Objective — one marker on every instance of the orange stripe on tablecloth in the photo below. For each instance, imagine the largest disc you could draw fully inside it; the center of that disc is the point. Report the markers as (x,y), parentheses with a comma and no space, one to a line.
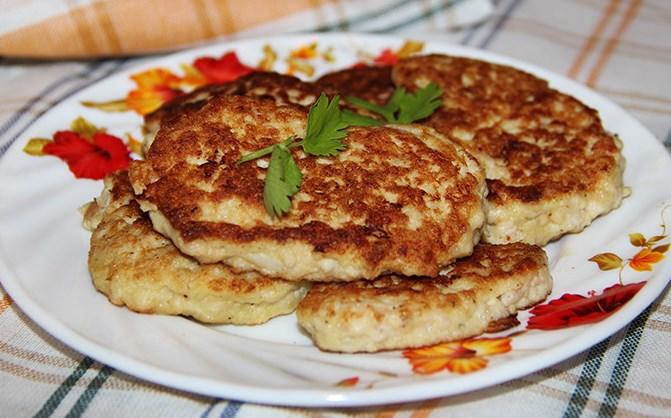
(124,382)
(36,356)
(245,14)
(588,46)
(425,410)
(629,16)
(203,18)
(35,375)
(563,375)
(388,412)
(659,325)
(5,303)
(226,20)
(83,27)
(532,384)
(29,373)
(664,309)
(107,27)
(141,26)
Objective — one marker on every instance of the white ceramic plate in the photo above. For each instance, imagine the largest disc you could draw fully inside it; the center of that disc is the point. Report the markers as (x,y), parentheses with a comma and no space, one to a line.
(43,266)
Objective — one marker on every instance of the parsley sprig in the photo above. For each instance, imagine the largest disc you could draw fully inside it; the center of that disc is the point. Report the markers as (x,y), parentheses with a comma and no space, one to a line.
(282,180)
(404,107)
(326,128)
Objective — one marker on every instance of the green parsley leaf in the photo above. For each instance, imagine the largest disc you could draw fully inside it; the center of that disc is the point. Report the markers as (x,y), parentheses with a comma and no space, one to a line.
(387,111)
(326,128)
(404,107)
(355,119)
(264,151)
(256,154)
(422,104)
(283,180)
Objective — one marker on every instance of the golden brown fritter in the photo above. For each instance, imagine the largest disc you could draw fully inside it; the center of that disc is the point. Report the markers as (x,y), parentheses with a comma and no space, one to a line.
(135,266)
(479,293)
(551,167)
(283,89)
(398,199)
(371,83)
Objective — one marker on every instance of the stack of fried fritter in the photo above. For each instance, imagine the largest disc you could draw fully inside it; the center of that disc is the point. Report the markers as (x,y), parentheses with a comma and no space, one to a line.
(383,237)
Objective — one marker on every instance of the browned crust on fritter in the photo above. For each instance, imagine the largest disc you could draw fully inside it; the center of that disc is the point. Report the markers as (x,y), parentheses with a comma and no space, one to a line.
(543,162)
(222,280)
(381,311)
(280,88)
(372,226)
(117,192)
(488,263)
(491,262)
(190,101)
(371,83)
(539,134)
(536,144)
(503,324)
(135,266)
(283,89)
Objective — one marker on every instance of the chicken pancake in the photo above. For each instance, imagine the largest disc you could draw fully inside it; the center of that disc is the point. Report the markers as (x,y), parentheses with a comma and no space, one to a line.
(394,312)
(551,167)
(283,89)
(398,199)
(137,267)
(371,83)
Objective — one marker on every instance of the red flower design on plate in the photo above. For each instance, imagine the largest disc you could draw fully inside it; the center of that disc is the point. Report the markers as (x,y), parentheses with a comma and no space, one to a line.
(92,159)
(156,86)
(221,70)
(386,57)
(571,309)
(89,151)
(349,382)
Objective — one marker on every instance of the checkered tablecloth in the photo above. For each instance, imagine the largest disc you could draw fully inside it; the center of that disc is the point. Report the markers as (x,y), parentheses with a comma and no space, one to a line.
(619,48)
